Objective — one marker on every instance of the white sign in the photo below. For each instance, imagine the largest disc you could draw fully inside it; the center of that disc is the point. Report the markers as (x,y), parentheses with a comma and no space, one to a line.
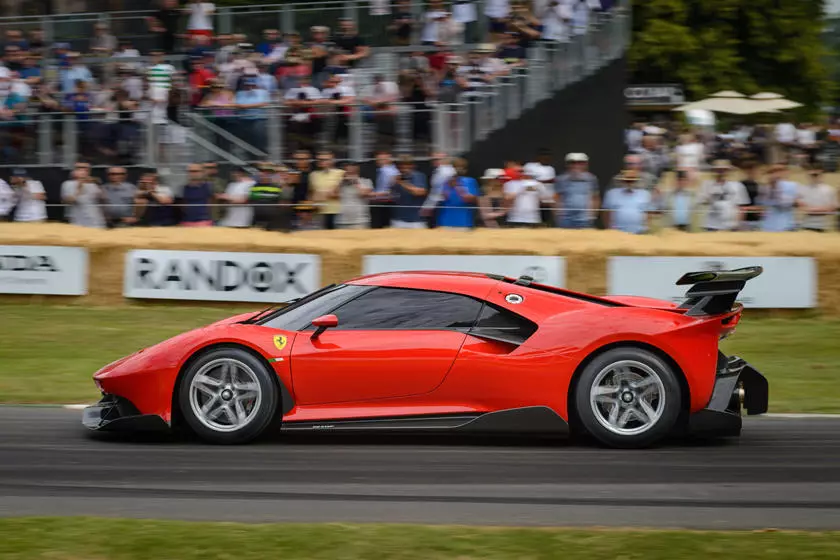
(211,276)
(30,269)
(787,282)
(545,270)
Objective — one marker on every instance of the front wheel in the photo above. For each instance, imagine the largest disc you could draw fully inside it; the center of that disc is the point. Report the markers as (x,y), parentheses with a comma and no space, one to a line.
(628,397)
(228,396)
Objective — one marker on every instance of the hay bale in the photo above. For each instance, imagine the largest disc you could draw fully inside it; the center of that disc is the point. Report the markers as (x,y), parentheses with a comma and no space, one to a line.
(341,251)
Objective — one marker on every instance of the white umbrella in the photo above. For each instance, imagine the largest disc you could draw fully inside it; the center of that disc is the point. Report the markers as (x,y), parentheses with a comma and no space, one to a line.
(775,101)
(732,105)
(727,93)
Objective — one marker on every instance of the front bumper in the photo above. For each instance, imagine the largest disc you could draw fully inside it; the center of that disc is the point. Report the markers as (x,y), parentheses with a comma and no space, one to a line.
(738,386)
(117,413)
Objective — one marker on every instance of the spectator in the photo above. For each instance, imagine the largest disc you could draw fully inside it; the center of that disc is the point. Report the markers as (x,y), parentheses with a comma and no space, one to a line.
(238,213)
(354,193)
(36,42)
(542,170)
(556,17)
(119,198)
(525,196)
(442,172)
(320,48)
(381,199)
(126,50)
(690,155)
(633,162)
(301,197)
(252,102)
(752,210)
(83,197)
(492,202)
(451,82)
(200,18)
(102,43)
(681,205)
(525,24)
(303,101)
(724,199)
(379,99)
(450,31)
(325,186)
(577,193)
(627,207)
(271,39)
(580,16)
(217,185)
(29,197)
(352,46)
(270,196)
(265,80)
(160,75)
(458,199)
(402,25)
(196,198)
(15,38)
(408,191)
(153,203)
(497,11)
(200,79)
(785,134)
(30,72)
(74,73)
(164,25)
(818,202)
(779,199)
(510,51)
(434,16)
(7,201)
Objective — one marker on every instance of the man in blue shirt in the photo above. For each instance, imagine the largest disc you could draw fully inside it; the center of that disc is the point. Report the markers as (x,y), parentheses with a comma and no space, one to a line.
(408,192)
(74,73)
(458,195)
(381,200)
(577,193)
(196,198)
(682,203)
(251,102)
(628,205)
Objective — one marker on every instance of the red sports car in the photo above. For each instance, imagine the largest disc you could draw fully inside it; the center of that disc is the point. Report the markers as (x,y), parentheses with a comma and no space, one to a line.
(449,351)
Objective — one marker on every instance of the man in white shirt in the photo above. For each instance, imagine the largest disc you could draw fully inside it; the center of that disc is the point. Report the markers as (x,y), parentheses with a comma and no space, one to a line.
(83,197)
(818,202)
(690,155)
(525,197)
(442,171)
(724,199)
(201,17)
(7,201)
(434,17)
(239,213)
(541,169)
(30,197)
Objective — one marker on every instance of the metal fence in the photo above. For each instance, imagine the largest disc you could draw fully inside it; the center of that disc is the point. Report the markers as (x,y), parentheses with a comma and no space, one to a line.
(354,131)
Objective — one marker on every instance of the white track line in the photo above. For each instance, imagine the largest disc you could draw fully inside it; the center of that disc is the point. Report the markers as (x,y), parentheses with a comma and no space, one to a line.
(75,406)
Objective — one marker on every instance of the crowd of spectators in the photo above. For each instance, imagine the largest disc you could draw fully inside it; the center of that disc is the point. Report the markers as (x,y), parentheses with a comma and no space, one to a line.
(113,87)
(316,192)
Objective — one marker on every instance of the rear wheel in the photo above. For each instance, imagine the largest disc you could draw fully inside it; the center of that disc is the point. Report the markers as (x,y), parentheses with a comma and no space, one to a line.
(228,396)
(628,397)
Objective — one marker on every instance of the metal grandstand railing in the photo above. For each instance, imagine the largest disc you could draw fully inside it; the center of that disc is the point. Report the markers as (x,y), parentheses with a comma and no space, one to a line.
(354,131)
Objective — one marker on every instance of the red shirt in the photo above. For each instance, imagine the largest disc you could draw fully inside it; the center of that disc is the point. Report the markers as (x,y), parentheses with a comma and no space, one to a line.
(199,80)
(437,60)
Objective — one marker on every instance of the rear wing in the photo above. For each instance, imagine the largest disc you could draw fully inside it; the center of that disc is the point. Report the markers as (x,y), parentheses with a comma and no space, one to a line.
(714,292)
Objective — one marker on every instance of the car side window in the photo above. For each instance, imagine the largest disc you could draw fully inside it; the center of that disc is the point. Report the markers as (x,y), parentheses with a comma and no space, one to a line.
(500,324)
(299,315)
(399,308)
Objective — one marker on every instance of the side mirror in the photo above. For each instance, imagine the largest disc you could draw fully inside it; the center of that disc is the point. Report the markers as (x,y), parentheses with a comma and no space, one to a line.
(323,323)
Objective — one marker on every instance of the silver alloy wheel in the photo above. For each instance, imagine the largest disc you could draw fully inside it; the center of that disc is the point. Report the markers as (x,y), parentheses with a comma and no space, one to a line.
(627,397)
(225,395)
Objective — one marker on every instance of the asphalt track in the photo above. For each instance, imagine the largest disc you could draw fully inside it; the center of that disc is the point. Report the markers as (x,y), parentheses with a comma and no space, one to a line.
(782,473)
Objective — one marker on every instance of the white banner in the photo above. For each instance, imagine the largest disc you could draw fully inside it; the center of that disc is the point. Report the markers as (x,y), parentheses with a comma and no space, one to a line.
(546,270)
(787,282)
(30,269)
(212,276)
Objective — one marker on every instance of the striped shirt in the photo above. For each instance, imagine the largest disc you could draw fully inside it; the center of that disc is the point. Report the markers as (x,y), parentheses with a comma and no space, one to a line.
(160,76)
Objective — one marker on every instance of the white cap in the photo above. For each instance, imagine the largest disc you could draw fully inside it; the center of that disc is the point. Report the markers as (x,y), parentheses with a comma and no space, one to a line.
(493,173)
(576,157)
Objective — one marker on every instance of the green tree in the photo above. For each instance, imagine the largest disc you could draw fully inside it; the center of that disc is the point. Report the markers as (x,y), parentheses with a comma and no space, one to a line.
(745,45)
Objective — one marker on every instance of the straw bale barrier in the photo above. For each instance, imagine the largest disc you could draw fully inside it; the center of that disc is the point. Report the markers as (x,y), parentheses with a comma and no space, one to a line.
(341,251)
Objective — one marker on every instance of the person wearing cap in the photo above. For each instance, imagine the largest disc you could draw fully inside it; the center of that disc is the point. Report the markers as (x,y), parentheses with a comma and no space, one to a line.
(723,198)
(577,193)
(779,200)
(633,162)
(525,198)
(29,197)
(627,206)
(251,103)
(408,192)
(75,72)
(492,205)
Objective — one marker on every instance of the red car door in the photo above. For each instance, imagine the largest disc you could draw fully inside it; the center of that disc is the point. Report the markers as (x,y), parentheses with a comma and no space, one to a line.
(389,342)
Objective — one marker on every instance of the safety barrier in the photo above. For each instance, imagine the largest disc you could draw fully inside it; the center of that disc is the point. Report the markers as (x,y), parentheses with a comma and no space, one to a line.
(263,260)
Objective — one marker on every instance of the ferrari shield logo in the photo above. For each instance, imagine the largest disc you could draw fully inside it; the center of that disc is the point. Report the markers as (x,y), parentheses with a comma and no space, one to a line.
(279,341)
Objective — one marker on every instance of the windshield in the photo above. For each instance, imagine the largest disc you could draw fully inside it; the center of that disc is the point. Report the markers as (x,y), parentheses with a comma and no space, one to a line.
(298,315)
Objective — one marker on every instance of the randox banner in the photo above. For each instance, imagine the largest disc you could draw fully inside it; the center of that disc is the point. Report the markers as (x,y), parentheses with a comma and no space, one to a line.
(787,282)
(546,270)
(31,269)
(212,276)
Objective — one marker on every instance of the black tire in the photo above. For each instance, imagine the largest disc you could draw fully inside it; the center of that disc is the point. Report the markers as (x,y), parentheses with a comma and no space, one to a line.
(260,413)
(635,433)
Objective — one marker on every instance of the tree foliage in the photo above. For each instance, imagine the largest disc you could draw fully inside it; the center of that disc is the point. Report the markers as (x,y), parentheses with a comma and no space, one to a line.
(745,45)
